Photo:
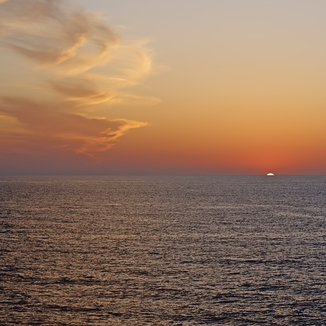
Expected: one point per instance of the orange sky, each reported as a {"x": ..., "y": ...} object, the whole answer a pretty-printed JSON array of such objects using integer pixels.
[{"x": 186, "y": 87}]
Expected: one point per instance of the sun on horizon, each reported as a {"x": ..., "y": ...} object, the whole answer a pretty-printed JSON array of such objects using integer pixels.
[{"x": 270, "y": 174}]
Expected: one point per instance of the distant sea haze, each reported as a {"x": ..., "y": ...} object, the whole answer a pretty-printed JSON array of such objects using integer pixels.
[{"x": 163, "y": 250}]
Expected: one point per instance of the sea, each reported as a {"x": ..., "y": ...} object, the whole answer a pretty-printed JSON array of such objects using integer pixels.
[{"x": 145, "y": 250}]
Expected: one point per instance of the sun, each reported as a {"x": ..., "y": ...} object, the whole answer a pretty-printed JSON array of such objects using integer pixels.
[{"x": 270, "y": 174}]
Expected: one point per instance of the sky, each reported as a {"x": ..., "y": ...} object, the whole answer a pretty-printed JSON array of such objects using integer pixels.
[{"x": 162, "y": 87}]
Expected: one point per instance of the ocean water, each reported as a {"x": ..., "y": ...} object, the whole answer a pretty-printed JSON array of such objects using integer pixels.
[{"x": 163, "y": 250}]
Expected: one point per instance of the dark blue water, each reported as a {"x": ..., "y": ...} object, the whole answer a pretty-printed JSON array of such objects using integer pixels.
[{"x": 163, "y": 250}]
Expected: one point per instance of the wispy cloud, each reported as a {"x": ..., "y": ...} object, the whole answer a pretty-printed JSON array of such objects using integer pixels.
[
  {"x": 84, "y": 90},
  {"x": 51, "y": 32},
  {"x": 77, "y": 132},
  {"x": 83, "y": 63}
]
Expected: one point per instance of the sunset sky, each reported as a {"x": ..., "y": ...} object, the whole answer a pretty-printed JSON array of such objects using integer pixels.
[{"x": 162, "y": 87}]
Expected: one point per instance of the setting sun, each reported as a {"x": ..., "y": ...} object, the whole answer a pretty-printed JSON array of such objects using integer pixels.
[{"x": 270, "y": 174}]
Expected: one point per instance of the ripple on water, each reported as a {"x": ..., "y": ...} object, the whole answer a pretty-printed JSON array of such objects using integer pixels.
[{"x": 163, "y": 251}]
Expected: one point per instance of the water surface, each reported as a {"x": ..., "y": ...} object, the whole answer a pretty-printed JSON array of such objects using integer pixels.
[{"x": 163, "y": 250}]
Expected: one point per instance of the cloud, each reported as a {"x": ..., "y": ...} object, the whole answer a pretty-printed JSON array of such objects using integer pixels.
[
  {"x": 83, "y": 62},
  {"x": 128, "y": 99},
  {"x": 76, "y": 132},
  {"x": 50, "y": 32},
  {"x": 82, "y": 90}
]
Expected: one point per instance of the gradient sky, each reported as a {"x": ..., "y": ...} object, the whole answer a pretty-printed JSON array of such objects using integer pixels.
[{"x": 162, "y": 87}]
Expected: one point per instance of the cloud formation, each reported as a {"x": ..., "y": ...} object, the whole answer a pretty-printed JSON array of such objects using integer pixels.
[
  {"x": 50, "y": 32},
  {"x": 85, "y": 135},
  {"x": 83, "y": 63}
]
